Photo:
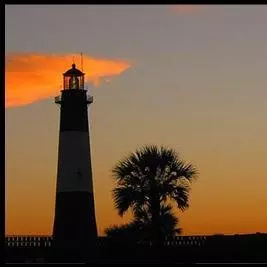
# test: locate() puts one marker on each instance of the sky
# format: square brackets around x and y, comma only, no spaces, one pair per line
[189,77]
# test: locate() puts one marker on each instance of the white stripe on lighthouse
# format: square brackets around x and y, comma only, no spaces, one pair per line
[74,162]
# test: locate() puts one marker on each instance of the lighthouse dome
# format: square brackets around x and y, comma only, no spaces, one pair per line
[73,71]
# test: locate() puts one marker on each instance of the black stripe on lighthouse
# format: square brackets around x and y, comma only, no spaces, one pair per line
[75,223]
[73,115]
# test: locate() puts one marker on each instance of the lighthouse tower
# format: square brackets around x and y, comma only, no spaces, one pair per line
[74,222]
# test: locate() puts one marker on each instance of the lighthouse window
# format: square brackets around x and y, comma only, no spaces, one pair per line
[74,82]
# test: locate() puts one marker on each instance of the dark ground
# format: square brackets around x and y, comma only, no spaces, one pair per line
[236,248]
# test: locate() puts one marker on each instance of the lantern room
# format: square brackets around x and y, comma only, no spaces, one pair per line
[73,79]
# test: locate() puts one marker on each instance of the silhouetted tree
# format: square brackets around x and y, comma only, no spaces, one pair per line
[147,182]
[140,228]
[121,232]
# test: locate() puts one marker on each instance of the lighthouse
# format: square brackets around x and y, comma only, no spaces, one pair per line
[74,222]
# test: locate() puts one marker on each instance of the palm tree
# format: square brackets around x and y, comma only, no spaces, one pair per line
[148,181]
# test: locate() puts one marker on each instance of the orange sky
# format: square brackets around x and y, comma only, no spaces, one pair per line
[186,9]
[31,70]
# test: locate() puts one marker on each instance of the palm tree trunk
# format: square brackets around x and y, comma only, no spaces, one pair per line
[155,209]
[155,225]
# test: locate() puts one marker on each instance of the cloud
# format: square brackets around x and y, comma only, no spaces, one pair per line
[185,9]
[34,77]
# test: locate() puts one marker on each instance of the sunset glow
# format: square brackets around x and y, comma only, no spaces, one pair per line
[186,9]
[34,77]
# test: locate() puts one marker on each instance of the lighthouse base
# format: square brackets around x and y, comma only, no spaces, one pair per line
[74,224]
